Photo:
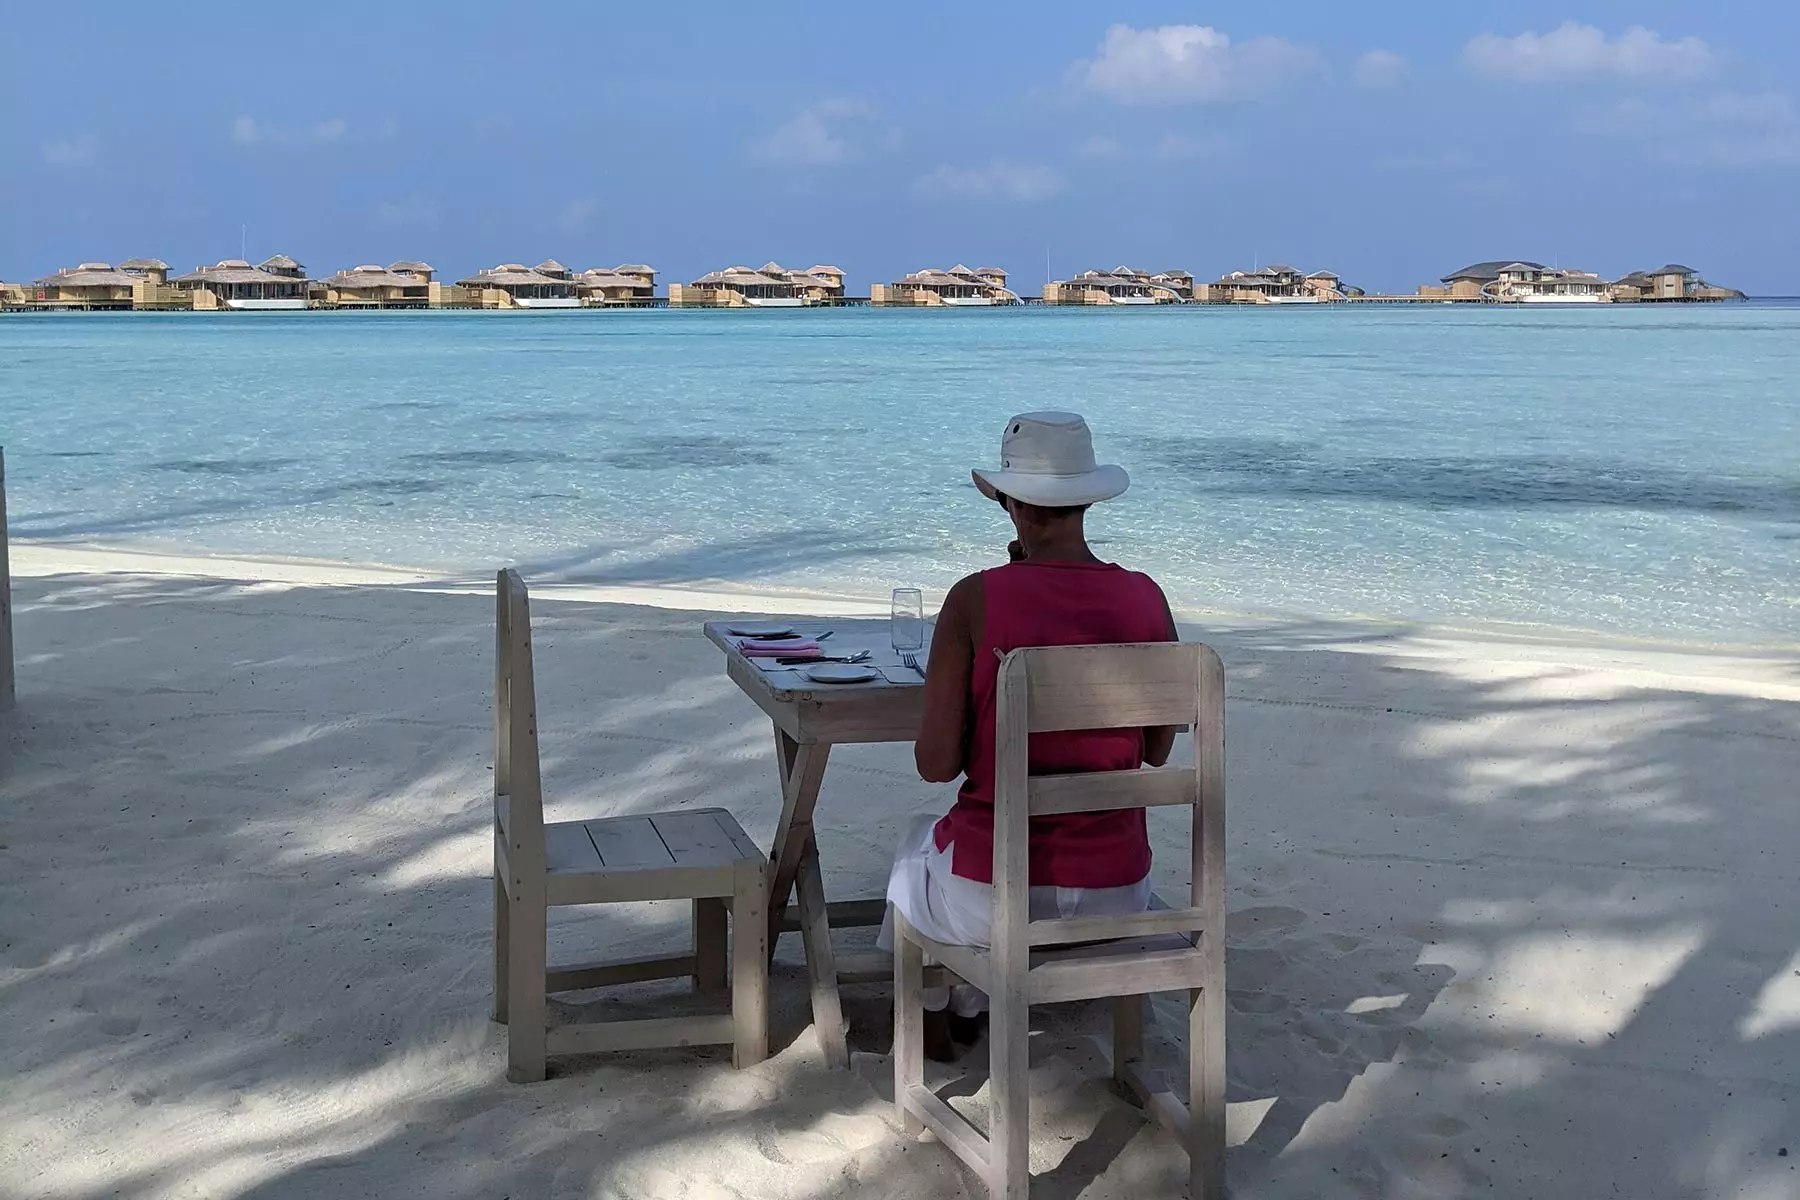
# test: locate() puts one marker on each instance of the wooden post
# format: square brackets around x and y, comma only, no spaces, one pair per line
[6,641]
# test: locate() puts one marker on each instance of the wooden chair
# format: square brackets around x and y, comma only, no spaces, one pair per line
[700,855]
[1123,957]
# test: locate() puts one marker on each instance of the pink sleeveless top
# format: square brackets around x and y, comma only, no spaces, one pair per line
[1056,604]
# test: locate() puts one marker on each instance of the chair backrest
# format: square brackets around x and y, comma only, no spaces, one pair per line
[518,792]
[1044,689]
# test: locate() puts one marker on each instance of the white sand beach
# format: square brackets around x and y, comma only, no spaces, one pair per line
[1508,917]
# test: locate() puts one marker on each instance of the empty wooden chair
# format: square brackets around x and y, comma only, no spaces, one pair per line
[1079,958]
[700,855]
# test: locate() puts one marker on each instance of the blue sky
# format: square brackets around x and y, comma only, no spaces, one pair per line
[1389,142]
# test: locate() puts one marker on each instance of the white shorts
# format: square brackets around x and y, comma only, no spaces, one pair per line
[945,907]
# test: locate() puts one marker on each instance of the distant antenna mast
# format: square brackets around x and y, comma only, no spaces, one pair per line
[1046,262]
[244,242]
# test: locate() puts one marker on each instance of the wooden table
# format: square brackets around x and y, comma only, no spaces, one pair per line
[809,719]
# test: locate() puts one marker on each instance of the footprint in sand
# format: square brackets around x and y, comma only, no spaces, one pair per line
[1259,1004]
[1247,921]
[120,1026]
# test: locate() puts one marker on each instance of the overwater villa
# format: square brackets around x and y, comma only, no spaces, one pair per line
[1180,283]
[1672,281]
[94,285]
[1121,285]
[1529,283]
[631,284]
[819,284]
[1521,281]
[514,285]
[235,284]
[1275,284]
[401,285]
[770,286]
[136,283]
[957,287]
[734,287]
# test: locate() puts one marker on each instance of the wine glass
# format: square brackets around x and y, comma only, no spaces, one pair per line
[907,626]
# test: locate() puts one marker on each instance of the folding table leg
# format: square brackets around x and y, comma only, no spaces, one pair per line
[821,963]
[802,771]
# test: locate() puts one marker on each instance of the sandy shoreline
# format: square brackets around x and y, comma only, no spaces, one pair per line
[1509,917]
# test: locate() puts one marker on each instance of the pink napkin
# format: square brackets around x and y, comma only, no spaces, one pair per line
[786,648]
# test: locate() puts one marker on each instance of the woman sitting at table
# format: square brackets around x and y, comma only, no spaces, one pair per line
[1054,592]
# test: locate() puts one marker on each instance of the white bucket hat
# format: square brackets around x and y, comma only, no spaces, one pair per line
[1047,459]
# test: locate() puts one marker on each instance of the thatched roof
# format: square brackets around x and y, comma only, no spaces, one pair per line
[233,270]
[88,274]
[1249,279]
[371,276]
[507,275]
[410,265]
[634,269]
[1674,269]
[605,277]
[990,271]
[1104,279]
[143,264]
[745,277]
[1487,272]
[552,268]
[825,270]
[931,277]
[1187,275]
[280,262]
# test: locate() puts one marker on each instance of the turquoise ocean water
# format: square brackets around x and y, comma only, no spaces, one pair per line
[1629,469]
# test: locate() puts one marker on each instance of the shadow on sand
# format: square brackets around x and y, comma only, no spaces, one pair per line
[1466,958]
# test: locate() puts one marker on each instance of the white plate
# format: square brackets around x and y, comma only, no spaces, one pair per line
[761,631]
[840,673]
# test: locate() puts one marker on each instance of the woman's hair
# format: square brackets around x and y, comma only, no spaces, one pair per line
[1050,511]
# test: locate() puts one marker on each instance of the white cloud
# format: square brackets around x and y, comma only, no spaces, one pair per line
[1574,51]
[1724,129]
[79,151]
[817,135]
[1748,129]
[996,181]
[248,131]
[1378,69]
[1178,64]
[575,214]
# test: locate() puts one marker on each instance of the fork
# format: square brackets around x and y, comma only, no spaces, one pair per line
[910,661]
[857,657]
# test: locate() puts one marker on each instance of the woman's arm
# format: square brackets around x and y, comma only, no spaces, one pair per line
[941,752]
[1159,740]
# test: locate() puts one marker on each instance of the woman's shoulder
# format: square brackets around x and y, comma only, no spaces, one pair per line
[966,596]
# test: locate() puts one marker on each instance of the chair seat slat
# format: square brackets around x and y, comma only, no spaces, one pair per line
[1125,925]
